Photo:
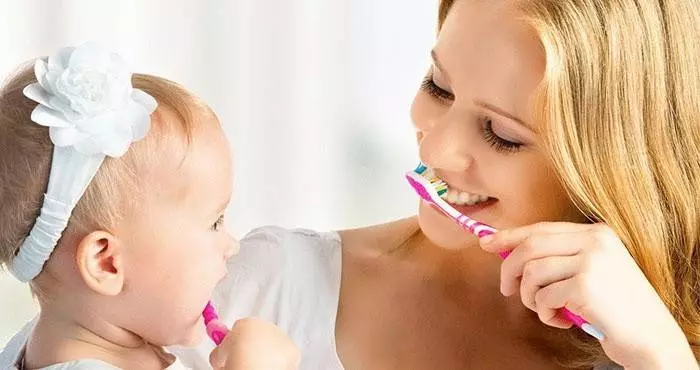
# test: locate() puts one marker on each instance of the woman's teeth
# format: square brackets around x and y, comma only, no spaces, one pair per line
[457,197]
[461,198]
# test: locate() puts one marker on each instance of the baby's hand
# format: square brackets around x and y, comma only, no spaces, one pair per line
[253,344]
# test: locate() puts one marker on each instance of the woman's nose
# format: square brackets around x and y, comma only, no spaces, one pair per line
[446,145]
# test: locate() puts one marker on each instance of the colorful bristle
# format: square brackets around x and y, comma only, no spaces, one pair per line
[435,182]
[439,186]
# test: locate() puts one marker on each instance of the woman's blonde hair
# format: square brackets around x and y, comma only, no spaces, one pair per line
[619,107]
[26,152]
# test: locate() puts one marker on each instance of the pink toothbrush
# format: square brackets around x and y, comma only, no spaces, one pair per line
[431,189]
[215,328]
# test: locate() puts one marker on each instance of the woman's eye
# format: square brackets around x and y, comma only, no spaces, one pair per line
[497,142]
[432,89]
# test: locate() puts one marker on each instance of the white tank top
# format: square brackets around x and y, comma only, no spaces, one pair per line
[288,277]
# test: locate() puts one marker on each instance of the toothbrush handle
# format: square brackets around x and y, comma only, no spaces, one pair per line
[217,331]
[481,230]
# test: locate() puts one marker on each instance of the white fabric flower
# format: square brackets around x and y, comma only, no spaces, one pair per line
[86,99]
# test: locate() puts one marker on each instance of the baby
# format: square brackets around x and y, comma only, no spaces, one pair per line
[113,188]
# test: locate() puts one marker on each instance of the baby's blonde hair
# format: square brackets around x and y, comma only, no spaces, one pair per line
[26,152]
[619,107]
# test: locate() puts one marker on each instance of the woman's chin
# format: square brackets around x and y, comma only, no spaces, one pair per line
[443,231]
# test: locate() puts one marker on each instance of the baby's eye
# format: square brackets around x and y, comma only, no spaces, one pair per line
[217,225]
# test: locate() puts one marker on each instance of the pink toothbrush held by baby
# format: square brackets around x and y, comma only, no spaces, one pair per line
[431,188]
[216,330]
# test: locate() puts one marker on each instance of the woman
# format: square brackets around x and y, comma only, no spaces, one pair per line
[570,125]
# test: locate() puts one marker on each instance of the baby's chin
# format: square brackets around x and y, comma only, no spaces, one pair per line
[193,335]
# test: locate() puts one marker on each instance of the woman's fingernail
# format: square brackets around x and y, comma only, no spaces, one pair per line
[487,239]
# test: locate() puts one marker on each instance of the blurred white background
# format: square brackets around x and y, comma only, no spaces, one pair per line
[314,96]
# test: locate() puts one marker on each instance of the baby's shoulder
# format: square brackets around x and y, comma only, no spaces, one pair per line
[12,350]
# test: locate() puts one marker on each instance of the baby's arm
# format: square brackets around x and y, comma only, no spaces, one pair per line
[253,344]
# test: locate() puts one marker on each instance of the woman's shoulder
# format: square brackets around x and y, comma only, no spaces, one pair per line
[273,250]
[371,241]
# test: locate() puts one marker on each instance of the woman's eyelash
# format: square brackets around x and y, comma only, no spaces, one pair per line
[430,87]
[497,142]
[217,225]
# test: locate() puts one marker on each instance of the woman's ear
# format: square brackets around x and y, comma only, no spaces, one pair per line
[99,260]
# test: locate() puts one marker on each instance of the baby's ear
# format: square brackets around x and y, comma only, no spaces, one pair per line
[99,261]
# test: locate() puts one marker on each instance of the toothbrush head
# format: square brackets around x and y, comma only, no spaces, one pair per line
[433,190]
[426,184]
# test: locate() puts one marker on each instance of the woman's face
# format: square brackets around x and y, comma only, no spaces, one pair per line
[475,128]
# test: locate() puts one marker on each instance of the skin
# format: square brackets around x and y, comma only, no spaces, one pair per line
[421,293]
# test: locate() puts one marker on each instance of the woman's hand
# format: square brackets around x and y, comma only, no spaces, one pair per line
[587,269]
[254,344]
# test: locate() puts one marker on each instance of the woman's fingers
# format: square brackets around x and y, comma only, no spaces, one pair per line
[532,248]
[561,294]
[542,272]
[508,239]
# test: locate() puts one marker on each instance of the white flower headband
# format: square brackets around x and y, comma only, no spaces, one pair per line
[86,99]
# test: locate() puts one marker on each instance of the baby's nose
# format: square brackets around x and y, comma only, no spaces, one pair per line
[232,248]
